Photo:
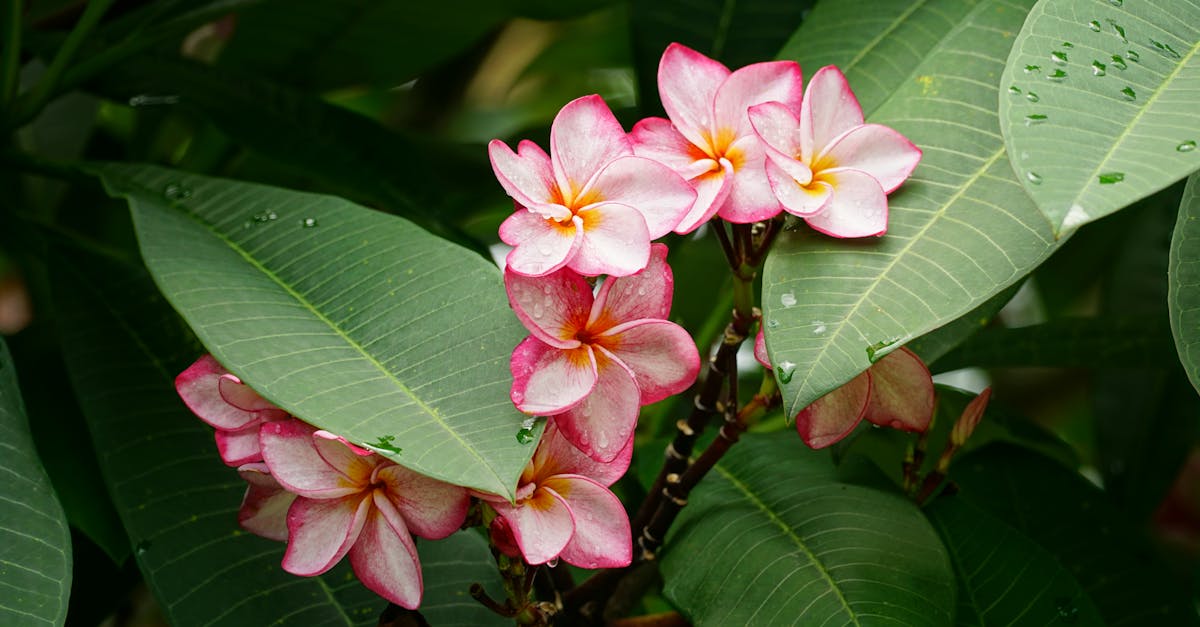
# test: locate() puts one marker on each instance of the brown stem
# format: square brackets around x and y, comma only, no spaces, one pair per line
[481,595]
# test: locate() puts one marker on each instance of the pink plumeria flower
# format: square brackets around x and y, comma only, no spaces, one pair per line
[590,205]
[708,139]
[593,361]
[265,506]
[230,406]
[896,391]
[564,509]
[827,166]
[363,505]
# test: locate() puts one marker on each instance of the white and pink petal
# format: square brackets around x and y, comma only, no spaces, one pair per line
[432,509]
[603,423]
[829,109]
[653,189]
[882,152]
[541,525]
[321,532]
[541,245]
[771,81]
[687,83]
[548,380]
[584,138]
[553,307]
[385,559]
[290,451]
[602,536]
[646,294]
[614,241]
[661,355]
[199,387]
[858,207]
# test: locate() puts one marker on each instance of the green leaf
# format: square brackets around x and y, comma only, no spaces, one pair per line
[178,501]
[450,567]
[352,320]
[1005,578]
[933,345]
[1183,300]
[782,540]
[35,544]
[960,230]
[1067,343]
[1073,520]
[1113,115]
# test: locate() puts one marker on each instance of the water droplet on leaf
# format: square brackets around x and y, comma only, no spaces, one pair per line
[1014,90]
[1118,30]
[1186,146]
[1068,612]
[1057,75]
[1166,49]
[1033,177]
[1030,69]
[1094,25]
[1129,93]
[1119,62]
[177,191]
[1032,97]
[525,436]
[1133,56]
[1109,178]
[772,324]
[1059,57]
[308,223]
[1034,118]
[785,371]
[1098,68]
[787,299]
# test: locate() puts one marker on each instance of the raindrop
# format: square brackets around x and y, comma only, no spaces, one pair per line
[1014,90]
[1059,57]
[1057,75]
[785,371]
[177,191]
[1033,177]
[1034,118]
[553,562]
[1187,146]
[1094,25]
[538,310]
[142,547]
[818,327]
[525,436]
[1030,69]
[1129,93]
[529,422]
[1067,44]
[1133,56]
[1032,97]
[1119,62]
[1068,612]
[772,324]
[247,224]
[308,223]
[266,216]
[1109,178]
[1119,30]
[1166,49]
[1098,68]
[1116,3]
[787,299]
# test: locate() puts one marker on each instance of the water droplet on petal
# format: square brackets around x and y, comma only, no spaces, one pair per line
[1186,146]
[787,299]
[785,371]
[1109,178]
[1129,93]
[538,310]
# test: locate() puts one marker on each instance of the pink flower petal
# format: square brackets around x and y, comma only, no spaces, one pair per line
[657,139]
[321,531]
[527,177]
[199,387]
[760,350]
[553,307]
[615,241]
[240,395]
[556,455]
[547,380]
[750,198]
[584,138]
[804,201]
[432,509]
[265,506]
[773,81]
[653,189]
[660,354]
[602,536]
[712,189]
[688,83]
[602,424]
[541,245]
[239,447]
[778,129]
[357,450]
[901,392]
[338,455]
[290,451]
[858,207]
[829,109]
[385,559]
[833,416]
[879,151]
[646,294]
[541,525]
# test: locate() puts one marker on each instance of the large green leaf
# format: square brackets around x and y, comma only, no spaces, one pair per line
[450,567]
[353,320]
[35,544]
[1183,300]
[783,541]
[1071,519]
[1099,106]
[178,501]
[960,230]
[1005,578]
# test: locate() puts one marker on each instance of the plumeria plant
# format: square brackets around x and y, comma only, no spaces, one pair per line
[593,312]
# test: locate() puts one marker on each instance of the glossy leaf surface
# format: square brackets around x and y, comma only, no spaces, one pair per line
[1183,299]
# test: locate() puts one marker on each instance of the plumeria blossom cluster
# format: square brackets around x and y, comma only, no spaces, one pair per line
[324,496]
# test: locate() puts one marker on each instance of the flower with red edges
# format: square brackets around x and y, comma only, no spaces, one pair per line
[593,361]
[230,406]
[709,140]
[564,509]
[590,205]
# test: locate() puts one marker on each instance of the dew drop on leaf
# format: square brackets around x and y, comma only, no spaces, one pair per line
[1098,68]
[1129,93]
[787,299]
[1032,97]
[1030,69]
[1116,3]
[308,223]
[525,436]
[1034,118]
[1068,612]
[1133,56]
[1119,62]
[1186,146]
[177,191]
[772,324]
[1094,25]
[1166,49]
[1014,90]
[1118,30]
[1033,177]
[785,371]
[1059,57]
[1109,178]
[1057,75]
